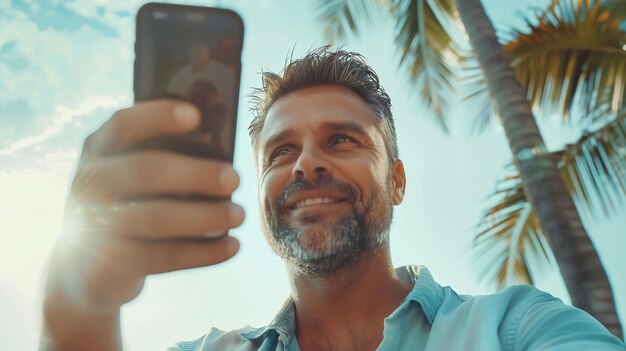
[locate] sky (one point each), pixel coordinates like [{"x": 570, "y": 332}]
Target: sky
[{"x": 66, "y": 66}]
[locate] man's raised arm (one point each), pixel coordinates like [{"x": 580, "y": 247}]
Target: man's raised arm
[{"x": 120, "y": 224}]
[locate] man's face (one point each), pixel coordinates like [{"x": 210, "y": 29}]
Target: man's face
[
  {"x": 326, "y": 184},
  {"x": 200, "y": 56}
]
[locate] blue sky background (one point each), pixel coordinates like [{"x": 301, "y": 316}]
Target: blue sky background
[{"x": 66, "y": 66}]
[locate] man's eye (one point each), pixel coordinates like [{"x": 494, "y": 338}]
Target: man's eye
[
  {"x": 282, "y": 151},
  {"x": 339, "y": 139}
]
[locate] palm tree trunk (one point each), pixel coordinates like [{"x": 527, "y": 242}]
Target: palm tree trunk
[{"x": 578, "y": 261}]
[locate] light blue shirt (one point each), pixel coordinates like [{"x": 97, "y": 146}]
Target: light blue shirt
[{"x": 432, "y": 318}]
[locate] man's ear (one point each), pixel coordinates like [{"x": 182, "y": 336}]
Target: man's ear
[{"x": 398, "y": 182}]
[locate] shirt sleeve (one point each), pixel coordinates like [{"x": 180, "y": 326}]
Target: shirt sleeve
[{"x": 549, "y": 324}]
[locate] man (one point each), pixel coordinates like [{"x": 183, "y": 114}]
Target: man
[
  {"x": 202, "y": 66},
  {"x": 212, "y": 128},
  {"x": 329, "y": 176}
]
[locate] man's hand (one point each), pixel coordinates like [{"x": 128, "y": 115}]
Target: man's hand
[{"x": 121, "y": 225}]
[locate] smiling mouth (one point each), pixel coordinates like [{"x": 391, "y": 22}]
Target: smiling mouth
[{"x": 316, "y": 201}]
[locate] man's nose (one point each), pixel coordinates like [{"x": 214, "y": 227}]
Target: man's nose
[{"x": 312, "y": 163}]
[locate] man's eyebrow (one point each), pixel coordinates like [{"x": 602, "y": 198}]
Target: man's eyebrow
[
  {"x": 353, "y": 127},
  {"x": 277, "y": 139}
]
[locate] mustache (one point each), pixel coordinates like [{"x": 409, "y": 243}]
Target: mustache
[{"x": 324, "y": 183}]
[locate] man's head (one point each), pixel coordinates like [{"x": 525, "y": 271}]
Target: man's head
[
  {"x": 327, "y": 162},
  {"x": 324, "y": 67},
  {"x": 200, "y": 55}
]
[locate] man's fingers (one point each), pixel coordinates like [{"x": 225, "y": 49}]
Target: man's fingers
[
  {"x": 152, "y": 173},
  {"x": 143, "y": 121},
  {"x": 137, "y": 258},
  {"x": 125, "y": 260},
  {"x": 181, "y": 254},
  {"x": 169, "y": 219}
]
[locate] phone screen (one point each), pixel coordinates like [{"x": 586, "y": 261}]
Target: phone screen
[{"x": 192, "y": 53}]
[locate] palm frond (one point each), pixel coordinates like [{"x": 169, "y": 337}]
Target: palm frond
[
  {"x": 480, "y": 109},
  {"x": 571, "y": 59},
  {"x": 594, "y": 169},
  {"x": 340, "y": 17},
  {"x": 510, "y": 244},
  {"x": 424, "y": 31},
  {"x": 428, "y": 52}
]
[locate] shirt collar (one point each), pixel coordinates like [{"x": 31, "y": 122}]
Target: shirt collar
[
  {"x": 284, "y": 323},
  {"x": 426, "y": 292}
]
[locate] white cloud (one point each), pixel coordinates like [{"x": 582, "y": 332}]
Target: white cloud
[
  {"x": 62, "y": 67},
  {"x": 63, "y": 116},
  {"x": 88, "y": 8}
]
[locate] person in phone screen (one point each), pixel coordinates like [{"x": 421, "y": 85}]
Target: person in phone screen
[
  {"x": 202, "y": 66},
  {"x": 211, "y": 130}
]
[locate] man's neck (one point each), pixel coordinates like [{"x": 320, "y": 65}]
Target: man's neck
[{"x": 350, "y": 304}]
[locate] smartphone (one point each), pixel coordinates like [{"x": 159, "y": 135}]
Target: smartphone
[{"x": 192, "y": 53}]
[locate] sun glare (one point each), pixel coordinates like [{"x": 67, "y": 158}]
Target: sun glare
[
  {"x": 30, "y": 218},
  {"x": 30, "y": 212}
]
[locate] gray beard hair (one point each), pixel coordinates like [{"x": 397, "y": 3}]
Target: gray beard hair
[{"x": 328, "y": 248}]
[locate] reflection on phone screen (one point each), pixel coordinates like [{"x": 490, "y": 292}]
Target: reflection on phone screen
[{"x": 195, "y": 56}]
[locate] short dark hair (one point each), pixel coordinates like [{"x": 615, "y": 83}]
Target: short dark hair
[{"x": 326, "y": 67}]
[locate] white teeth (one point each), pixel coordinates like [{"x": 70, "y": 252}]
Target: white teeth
[{"x": 315, "y": 201}]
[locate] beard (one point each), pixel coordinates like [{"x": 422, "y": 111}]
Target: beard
[{"x": 325, "y": 247}]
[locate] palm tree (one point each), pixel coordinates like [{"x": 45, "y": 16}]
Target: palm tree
[
  {"x": 554, "y": 208},
  {"x": 567, "y": 56},
  {"x": 429, "y": 52}
]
